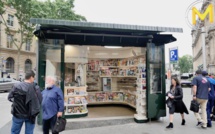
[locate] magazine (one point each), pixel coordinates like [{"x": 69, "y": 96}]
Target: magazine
[
  {"x": 100, "y": 97},
  {"x": 75, "y": 109},
  {"x": 83, "y": 100},
  {"x": 70, "y": 91},
  {"x": 91, "y": 98},
  {"x": 77, "y": 100},
  {"x": 71, "y": 100}
]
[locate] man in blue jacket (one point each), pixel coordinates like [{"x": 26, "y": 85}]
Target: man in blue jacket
[
  {"x": 210, "y": 102},
  {"x": 52, "y": 104}
]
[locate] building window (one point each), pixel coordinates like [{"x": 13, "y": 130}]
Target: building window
[
  {"x": 10, "y": 20},
  {"x": 28, "y": 45},
  {"x": 28, "y": 65},
  {"x": 10, "y": 65},
  {"x": 9, "y": 41}
]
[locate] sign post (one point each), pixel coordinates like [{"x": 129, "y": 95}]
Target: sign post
[
  {"x": 173, "y": 58},
  {"x": 173, "y": 54}
]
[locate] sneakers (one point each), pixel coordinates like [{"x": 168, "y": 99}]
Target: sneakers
[
  {"x": 199, "y": 123},
  {"x": 203, "y": 127}
]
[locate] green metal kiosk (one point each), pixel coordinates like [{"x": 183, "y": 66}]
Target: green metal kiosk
[{"x": 103, "y": 63}]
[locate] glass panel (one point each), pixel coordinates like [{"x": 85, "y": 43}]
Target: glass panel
[
  {"x": 52, "y": 60},
  {"x": 75, "y": 65},
  {"x": 155, "y": 64}
]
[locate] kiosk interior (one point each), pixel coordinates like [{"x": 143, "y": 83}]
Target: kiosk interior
[{"x": 100, "y": 64}]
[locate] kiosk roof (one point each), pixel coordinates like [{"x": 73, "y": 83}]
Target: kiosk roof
[{"x": 93, "y": 33}]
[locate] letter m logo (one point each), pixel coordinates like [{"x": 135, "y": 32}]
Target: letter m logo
[{"x": 209, "y": 10}]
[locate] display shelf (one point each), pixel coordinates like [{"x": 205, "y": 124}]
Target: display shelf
[
  {"x": 75, "y": 100},
  {"x": 120, "y": 76},
  {"x": 75, "y": 87},
  {"x": 141, "y": 93},
  {"x": 92, "y": 75},
  {"x": 124, "y": 74},
  {"x": 108, "y": 66},
  {"x": 111, "y": 102},
  {"x": 81, "y": 95},
  {"x": 91, "y": 90},
  {"x": 91, "y": 93},
  {"x": 130, "y": 66},
  {"x": 117, "y": 97},
  {"x": 75, "y": 104},
  {"x": 92, "y": 83},
  {"x": 76, "y": 113}
]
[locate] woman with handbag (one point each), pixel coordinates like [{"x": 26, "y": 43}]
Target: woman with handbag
[{"x": 175, "y": 102}]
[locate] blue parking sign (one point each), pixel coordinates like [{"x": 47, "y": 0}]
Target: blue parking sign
[{"x": 173, "y": 54}]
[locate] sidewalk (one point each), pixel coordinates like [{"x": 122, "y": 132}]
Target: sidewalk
[{"x": 153, "y": 127}]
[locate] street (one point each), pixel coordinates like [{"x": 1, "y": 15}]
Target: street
[
  {"x": 5, "y": 109},
  {"x": 134, "y": 128}
]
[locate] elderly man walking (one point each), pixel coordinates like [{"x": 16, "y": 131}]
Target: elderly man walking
[{"x": 52, "y": 104}]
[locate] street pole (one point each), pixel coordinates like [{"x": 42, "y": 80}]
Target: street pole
[
  {"x": 2, "y": 59},
  {"x": 169, "y": 68},
  {"x": 203, "y": 47}
]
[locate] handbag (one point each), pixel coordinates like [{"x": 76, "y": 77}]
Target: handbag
[
  {"x": 194, "y": 106},
  {"x": 59, "y": 125},
  {"x": 169, "y": 103}
]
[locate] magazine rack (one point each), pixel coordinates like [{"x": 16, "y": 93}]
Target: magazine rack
[
  {"x": 128, "y": 86},
  {"x": 75, "y": 100}
]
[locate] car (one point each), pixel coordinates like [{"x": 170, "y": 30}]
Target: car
[
  {"x": 6, "y": 84},
  {"x": 186, "y": 80}
]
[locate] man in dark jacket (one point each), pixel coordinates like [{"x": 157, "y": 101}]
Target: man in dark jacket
[
  {"x": 26, "y": 104},
  {"x": 201, "y": 88}
]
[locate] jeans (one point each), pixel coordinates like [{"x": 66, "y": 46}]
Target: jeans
[
  {"x": 49, "y": 124},
  {"x": 17, "y": 125},
  {"x": 203, "y": 119}
]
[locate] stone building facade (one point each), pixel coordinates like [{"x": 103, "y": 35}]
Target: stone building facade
[
  {"x": 209, "y": 43},
  {"x": 8, "y": 51}
]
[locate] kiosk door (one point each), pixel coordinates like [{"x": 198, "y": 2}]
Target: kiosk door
[{"x": 155, "y": 81}]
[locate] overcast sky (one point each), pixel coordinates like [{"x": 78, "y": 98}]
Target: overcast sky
[{"x": 168, "y": 13}]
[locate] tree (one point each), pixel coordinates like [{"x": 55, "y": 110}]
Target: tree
[
  {"x": 26, "y": 9},
  {"x": 24, "y": 31},
  {"x": 58, "y": 9},
  {"x": 185, "y": 64}
]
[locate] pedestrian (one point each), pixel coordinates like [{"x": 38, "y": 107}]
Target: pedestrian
[
  {"x": 210, "y": 103},
  {"x": 201, "y": 88},
  {"x": 26, "y": 104},
  {"x": 176, "y": 96},
  {"x": 212, "y": 75},
  {"x": 8, "y": 76},
  {"x": 52, "y": 104}
]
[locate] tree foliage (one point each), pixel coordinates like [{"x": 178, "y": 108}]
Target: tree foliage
[
  {"x": 26, "y": 9},
  {"x": 185, "y": 64},
  {"x": 57, "y": 9}
]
